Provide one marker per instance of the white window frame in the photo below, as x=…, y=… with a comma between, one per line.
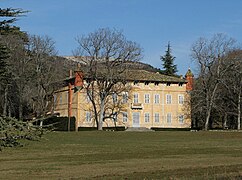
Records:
x=180, y=99
x=115, y=97
x=156, y=98
x=60, y=99
x=147, y=98
x=168, y=99
x=88, y=116
x=87, y=96
x=181, y=119
x=136, y=98
x=125, y=97
x=147, y=117
x=169, y=118
x=125, y=117
x=157, y=117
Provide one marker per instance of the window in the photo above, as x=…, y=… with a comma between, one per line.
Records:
x=125, y=97
x=88, y=116
x=60, y=98
x=180, y=99
x=181, y=119
x=136, y=98
x=157, y=99
x=54, y=97
x=115, y=98
x=136, y=83
x=89, y=94
x=115, y=117
x=157, y=117
x=147, y=83
x=168, y=84
x=147, y=98
x=180, y=84
x=156, y=83
x=168, y=99
x=168, y=118
x=147, y=117
x=125, y=117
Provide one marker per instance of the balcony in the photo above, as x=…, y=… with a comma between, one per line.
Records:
x=136, y=106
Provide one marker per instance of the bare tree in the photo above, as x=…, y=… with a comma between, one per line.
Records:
x=232, y=82
x=104, y=53
x=45, y=70
x=210, y=55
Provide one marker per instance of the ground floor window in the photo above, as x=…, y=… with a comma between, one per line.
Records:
x=125, y=117
x=157, y=117
x=88, y=116
x=168, y=118
x=147, y=117
x=181, y=119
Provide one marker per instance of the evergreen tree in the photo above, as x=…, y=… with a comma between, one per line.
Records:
x=168, y=63
x=7, y=28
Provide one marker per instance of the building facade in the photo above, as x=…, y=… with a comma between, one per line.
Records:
x=154, y=101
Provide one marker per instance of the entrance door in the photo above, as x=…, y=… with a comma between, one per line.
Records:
x=136, y=117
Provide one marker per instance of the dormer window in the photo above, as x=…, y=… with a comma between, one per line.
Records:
x=180, y=84
x=156, y=83
x=136, y=82
x=146, y=82
x=168, y=84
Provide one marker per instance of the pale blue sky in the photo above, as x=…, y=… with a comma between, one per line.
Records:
x=151, y=23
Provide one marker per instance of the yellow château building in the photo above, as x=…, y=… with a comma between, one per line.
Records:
x=154, y=101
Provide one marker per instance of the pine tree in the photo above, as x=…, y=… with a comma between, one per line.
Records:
x=7, y=28
x=168, y=63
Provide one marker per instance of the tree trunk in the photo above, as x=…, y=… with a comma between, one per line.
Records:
x=207, y=119
x=239, y=110
x=100, y=123
x=9, y=111
x=5, y=105
x=209, y=106
x=20, y=110
x=225, y=121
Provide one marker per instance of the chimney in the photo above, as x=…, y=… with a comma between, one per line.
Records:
x=78, y=84
x=189, y=77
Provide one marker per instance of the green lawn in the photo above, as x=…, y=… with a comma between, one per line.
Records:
x=126, y=155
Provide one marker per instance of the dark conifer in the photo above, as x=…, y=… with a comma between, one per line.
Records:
x=169, y=68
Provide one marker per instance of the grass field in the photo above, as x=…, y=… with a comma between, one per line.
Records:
x=126, y=155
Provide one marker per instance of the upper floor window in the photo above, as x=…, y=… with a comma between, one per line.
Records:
x=157, y=99
x=89, y=94
x=115, y=97
x=125, y=97
x=147, y=98
x=180, y=99
x=136, y=98
x=168, y=99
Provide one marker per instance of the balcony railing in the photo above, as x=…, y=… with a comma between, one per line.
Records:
x=136, y=105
